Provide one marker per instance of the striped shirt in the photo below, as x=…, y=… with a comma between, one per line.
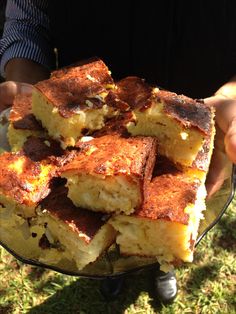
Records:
x=26, y=33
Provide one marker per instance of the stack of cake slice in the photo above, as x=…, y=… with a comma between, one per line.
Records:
x=35, y=209
x=107, y=190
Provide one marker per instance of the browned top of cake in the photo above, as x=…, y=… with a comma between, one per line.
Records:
x=110, y=155
x=166, y=197
x=76, y=66
x=41, y=148
x=85, y=223
x=187, y=111
x=46, y=150
x=22, y=179
x=21, y=114
x=71, y=88
x=168, y=194
x=135, y=92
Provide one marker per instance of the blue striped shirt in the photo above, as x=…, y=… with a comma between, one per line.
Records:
x=26, y=33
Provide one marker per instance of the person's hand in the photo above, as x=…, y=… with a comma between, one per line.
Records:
x=225, y=141
x=9, y=89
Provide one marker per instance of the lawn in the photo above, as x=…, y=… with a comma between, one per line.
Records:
x=206, y=286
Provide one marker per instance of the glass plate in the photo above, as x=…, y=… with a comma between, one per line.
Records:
x=111, y=263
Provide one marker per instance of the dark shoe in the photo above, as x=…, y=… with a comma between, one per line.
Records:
x=166, y=287
x=111, y=287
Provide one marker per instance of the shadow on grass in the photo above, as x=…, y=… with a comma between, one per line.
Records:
x=227, y=239
x=200, y=275
x=6, y=309
x=231, y=299
x=83, y=296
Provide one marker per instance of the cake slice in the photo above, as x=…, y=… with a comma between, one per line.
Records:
x=72, y=102
x=166, y=225
x=82, y=233
x=25, y=176
x=181, y=124
x=22, y=122
x=23, y=182
x=109, y=172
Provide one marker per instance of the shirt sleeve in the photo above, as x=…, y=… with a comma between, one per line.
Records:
x=26, y=33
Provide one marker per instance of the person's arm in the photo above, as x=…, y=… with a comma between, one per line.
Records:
x=24, y=70
x=27, y=36
x=25, y=48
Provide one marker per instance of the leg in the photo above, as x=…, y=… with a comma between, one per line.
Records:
x=165, y=286
x=111, y=287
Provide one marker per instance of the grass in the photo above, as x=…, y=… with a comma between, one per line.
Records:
x=206, y=286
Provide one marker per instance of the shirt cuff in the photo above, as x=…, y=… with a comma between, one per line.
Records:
x=28, y=51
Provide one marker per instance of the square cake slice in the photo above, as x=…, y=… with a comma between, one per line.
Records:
x=23, y=182
x=166, y=225
x=109, y=173
x=72, y=102
x=22, y=122
x=181, y=124
x=82, y=233
x=26, y=175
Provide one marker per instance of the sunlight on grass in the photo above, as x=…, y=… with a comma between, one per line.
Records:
x=206, y=286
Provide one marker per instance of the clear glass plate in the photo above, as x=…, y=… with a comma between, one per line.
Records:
x=112, y=264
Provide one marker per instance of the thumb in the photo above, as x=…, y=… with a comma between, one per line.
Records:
x=9, y=89
x=230, y=140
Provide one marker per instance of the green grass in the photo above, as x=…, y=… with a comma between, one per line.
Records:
x=206, y=286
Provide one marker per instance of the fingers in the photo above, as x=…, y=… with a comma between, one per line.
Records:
x=9, y=89
x=226, y=120
x=220, y=167
x=225, y=142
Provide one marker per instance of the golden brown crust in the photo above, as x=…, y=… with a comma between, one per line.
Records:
x=84, y=222
x=47, y=151
x=69, y=88
x=112, y=155
x=70, y=68
x=189, y=112
x=21, y=184
x=21, y=114
x=135, y=92
x=166, y=197
x=168, y=194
